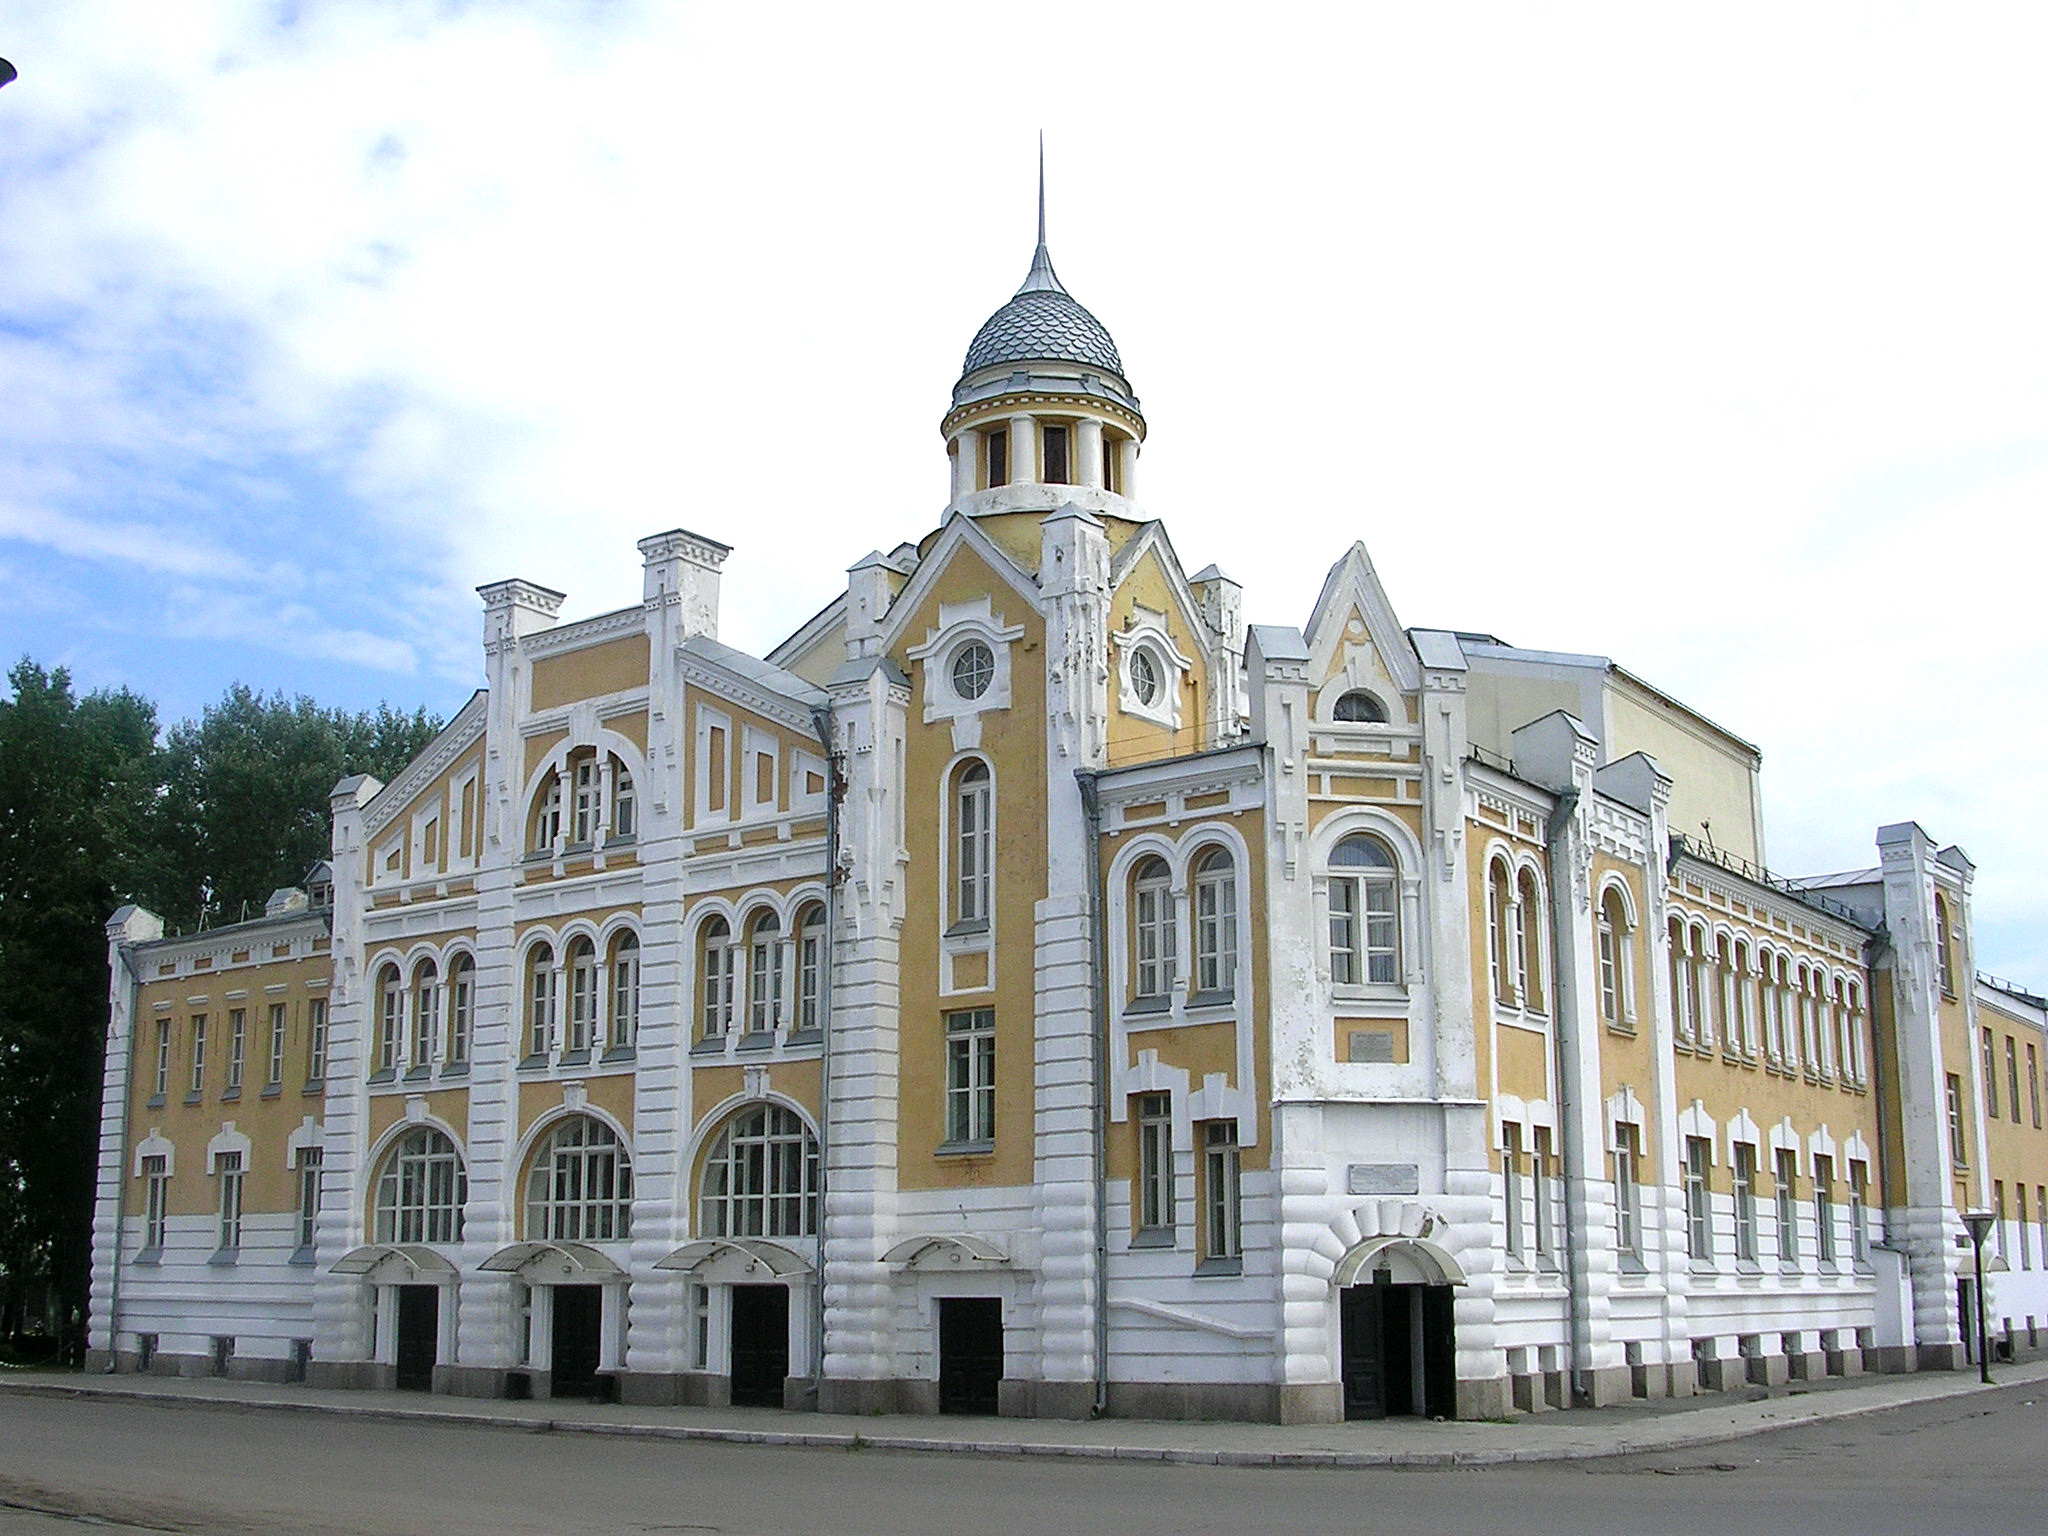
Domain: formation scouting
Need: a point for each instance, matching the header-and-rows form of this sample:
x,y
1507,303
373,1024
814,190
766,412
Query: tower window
x,y
1055,456
998,458
1112,465
1360,708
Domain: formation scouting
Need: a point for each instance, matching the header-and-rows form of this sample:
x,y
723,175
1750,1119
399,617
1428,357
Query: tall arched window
x,y
579,1187
761,1177
810,967
421,1191
715,968
426,1014
973,844
1215,921
1500,935
1944,946
547,816
390,1018
461,1007
1617,979
1682,1015
1529,938
1365,924
1152,929
582,996
1360,708
625,992
764,973
540,1000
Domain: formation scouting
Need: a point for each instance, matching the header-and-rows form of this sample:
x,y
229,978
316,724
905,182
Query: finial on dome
x,y
1041,278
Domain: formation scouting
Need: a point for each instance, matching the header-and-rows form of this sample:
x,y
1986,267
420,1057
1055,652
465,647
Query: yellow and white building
x,y
1030,988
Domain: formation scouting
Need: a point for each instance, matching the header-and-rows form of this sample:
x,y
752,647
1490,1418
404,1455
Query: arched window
x,y
1501,936
1215,922
579,1187
540,1000
625,992
1365,924
1360,708
1682,1000
973,844
810,967
1529,939
761,1177
1152,929
547,816
461,1007
1944,946
1721,985
1617,978
582,997
716,968
764,973
390,1018
421,1191
426,1014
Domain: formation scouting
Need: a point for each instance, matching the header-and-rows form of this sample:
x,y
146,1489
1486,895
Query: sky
x,y
1714,340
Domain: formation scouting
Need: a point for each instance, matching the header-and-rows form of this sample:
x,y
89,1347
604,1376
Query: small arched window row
x,y
1761,1004
421,1190
587,800
1516,942
1188,907
579,1184
1366,941
758,978
425,1016
580,997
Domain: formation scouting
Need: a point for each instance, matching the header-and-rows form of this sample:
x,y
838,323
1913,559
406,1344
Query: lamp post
x,y
1979,1223
7,72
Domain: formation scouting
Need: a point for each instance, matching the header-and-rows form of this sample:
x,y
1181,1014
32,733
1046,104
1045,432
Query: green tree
x,y
78,791
244,809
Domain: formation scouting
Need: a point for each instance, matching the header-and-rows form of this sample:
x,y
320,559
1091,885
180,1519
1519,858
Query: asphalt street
x,y
1965,1465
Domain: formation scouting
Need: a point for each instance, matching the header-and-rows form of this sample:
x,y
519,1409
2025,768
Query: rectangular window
x,y
1511,1187
971,1076
764,982
582,999
1222,1199
309,1193
316,1041
1610,976
426,1019
1055,456
230,1171
2012,1076
625,805
461,1004
1543,1195
390,1023
1156,958
1744,1190
1990,1055
1824,1211
1699,1215
198,1053
1628,1223
1344,932
156,1201
1215,925
999,457
1788,1207
2020,1227
1998,1210
1958,1151
584,826
1155,1162
540,1006
975,851
238,1044
163,1058
274,1072
625,1024
718,984
810,973
2034,1085
1859,1231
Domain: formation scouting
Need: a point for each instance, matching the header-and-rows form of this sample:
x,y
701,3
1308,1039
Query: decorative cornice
x,y
745,693
456,737
569,637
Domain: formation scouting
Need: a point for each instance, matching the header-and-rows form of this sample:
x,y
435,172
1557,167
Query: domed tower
x,y
1043,414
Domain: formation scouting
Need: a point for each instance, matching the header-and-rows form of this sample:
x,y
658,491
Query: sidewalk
x,y
1571,1435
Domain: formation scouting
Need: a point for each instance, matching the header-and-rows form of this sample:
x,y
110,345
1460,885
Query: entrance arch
x,y
1397,1331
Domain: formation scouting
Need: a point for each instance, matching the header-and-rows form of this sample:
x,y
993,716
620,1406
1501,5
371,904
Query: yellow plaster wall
x,y
1713,779
1133,739
612,666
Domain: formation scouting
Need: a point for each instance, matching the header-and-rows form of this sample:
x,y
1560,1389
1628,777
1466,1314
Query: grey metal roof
x,y
1042,323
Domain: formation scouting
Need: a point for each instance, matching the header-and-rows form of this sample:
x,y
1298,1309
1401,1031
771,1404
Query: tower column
x,y
1024,450
1088,461
1127,467
966,462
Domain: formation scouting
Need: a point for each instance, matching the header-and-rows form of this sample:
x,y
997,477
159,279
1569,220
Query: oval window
x,y
1144,676
974,668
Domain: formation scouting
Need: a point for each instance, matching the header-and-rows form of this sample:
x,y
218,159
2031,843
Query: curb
x,y
1680,1437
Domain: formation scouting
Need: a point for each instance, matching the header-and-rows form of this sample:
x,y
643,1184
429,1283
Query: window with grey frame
x,y
1215,922
971,1077
1365,924
1155,1164
1222,1193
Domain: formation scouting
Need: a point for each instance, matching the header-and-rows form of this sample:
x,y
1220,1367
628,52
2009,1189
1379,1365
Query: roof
x,y
1042,323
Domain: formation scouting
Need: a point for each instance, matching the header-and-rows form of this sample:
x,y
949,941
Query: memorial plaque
x,y
1384,1179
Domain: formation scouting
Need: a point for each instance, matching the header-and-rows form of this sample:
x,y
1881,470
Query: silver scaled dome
x,y
1043,323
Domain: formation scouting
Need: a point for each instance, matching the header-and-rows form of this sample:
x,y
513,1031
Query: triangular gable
x,y
1353,584
749,682
457,736
959,530
1153,537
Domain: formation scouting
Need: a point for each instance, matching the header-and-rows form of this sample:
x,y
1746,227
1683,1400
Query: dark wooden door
x,y
970,1353
1400,1327
760,1344
419,1336
579,1322
1361,1314
1439,1352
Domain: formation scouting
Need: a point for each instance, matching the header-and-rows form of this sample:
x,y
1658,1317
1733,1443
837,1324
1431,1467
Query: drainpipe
x,y
1564,984
121,1180
835,787
1091,809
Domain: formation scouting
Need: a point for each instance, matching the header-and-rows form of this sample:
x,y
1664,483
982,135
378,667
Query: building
x,y
1030,988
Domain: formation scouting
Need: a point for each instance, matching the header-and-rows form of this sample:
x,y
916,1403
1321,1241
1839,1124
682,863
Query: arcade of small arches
x,y
586,799
1763,1003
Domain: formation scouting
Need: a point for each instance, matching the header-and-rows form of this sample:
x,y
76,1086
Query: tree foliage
x,y
95,811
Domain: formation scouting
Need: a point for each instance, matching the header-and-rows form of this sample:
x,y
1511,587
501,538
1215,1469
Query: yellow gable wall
x,y
1133,739
632,725
1711,779
1013,740
1370,670
460,835
612,666
267,1120
736,774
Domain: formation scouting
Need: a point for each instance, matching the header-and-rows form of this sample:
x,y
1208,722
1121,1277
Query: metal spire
x,y
1041,278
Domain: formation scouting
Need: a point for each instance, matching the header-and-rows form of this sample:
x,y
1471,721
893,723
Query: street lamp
x,y
1979,1223
7,72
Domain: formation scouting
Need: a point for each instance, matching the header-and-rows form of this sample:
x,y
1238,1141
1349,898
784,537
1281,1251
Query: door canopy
x,y
543,1263
395,1264
735,1260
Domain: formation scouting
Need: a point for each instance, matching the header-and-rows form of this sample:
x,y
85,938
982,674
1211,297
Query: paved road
x,y
1961,1466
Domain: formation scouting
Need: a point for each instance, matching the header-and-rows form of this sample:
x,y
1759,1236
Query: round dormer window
x,y
974,668
1144,677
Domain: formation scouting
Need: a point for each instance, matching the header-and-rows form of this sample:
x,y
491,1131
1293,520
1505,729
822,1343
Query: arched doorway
x,y
1397,1329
